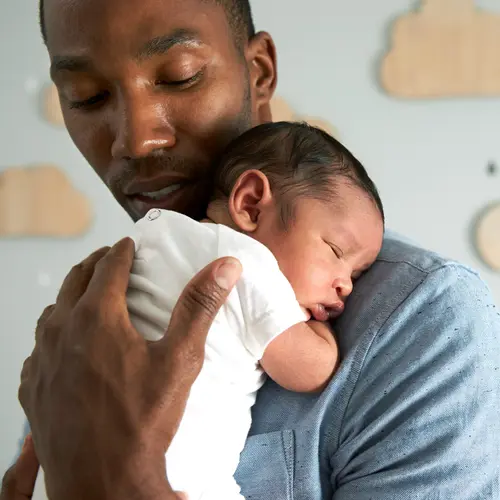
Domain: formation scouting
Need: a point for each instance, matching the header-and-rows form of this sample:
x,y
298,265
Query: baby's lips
x,y
336,310
319,313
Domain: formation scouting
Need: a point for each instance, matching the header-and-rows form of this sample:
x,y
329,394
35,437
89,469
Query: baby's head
x,y
301,193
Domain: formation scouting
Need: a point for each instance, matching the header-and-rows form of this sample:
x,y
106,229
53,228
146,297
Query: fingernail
x,y
228,273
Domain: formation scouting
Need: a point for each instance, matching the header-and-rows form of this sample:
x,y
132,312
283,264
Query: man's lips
x,y
167,191
160,194
175,197
154,185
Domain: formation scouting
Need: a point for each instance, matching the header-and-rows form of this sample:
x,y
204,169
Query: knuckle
x,y
91,315
111,259
22,395
203,298
84,310
48,310
94,257
101,263
100,251
26,367
77,268
45,315
104,265
49,328
86,313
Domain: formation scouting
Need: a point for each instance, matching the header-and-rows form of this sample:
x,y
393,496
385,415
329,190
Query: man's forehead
x,y
94,20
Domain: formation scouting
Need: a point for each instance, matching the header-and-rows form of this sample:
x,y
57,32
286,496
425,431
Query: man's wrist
x,y
145,480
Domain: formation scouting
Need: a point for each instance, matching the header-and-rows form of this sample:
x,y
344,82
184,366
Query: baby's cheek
x,y
320,277
310,282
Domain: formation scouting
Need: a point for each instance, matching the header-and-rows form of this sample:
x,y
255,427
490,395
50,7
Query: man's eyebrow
x,y
162,44
154,47
69,63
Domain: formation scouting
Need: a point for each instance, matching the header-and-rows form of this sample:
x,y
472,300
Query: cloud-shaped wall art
x,y
447,49
41,201
487,236
51,106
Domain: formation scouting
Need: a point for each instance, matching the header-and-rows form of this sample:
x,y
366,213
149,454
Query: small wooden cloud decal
x,y
40,201
282,111
51,106
447,49
487,236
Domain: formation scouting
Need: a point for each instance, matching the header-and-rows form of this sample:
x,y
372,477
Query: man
x,y
151,91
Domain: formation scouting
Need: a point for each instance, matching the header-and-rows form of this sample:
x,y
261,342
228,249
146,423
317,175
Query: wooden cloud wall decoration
x,y
487,236
51,106
449,48
41,201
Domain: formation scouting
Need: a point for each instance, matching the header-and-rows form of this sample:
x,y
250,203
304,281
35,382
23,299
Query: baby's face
x,y
326,247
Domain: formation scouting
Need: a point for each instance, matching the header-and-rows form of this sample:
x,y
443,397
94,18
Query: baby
x,y
305,220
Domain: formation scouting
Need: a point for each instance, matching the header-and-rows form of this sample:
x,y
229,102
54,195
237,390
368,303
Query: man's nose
x,y
142,126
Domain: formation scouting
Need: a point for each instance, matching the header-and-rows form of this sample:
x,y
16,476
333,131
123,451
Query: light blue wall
x,y
427,158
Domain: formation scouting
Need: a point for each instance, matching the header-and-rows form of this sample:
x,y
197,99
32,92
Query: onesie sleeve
x,y
267,299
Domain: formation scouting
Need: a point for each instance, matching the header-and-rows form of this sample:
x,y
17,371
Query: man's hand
x,y
104,404
19,481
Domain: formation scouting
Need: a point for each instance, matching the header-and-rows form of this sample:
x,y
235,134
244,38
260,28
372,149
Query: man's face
x,y
153,90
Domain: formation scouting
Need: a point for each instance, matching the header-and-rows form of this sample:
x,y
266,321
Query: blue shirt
x,y
413,412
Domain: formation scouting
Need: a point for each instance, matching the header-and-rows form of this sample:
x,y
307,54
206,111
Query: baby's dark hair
x,y
298,159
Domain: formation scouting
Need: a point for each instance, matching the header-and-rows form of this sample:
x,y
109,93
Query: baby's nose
x,y
343,288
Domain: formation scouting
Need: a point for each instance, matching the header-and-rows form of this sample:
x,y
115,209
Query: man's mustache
x,y
153,166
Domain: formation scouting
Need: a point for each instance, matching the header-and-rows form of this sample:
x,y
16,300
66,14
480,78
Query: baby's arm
x,y
303,358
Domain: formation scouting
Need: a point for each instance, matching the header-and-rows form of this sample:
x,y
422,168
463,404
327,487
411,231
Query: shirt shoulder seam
x,y
428,270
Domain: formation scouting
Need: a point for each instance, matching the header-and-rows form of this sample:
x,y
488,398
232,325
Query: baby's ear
x,y
250,198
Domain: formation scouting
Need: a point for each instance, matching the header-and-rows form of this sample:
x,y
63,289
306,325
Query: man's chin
x,y
181,201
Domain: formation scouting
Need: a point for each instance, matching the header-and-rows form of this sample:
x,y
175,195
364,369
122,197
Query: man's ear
x,y
262,68
250,198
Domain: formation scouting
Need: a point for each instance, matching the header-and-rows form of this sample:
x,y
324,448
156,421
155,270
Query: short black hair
x,y
240,19
298,159
238,13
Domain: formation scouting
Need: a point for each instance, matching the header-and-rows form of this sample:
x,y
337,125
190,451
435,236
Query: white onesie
x,y
170,249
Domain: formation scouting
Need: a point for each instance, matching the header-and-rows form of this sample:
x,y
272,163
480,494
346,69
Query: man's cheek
x,y
93,140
